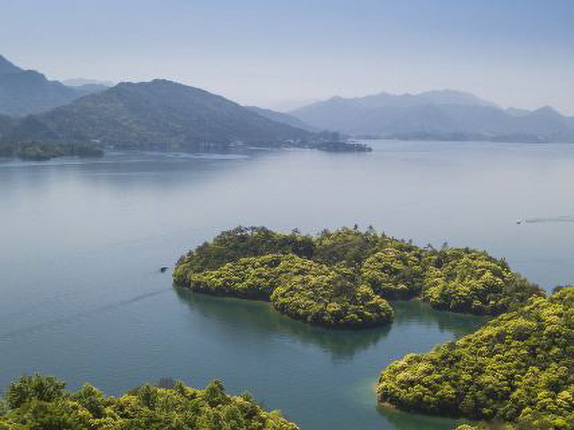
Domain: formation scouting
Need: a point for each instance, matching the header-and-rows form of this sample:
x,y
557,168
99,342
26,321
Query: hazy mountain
x,y
282,118
80,82
84,90
441,115
6,123
6,67
156,115
24,92
443,97
517,112
289,105
84,86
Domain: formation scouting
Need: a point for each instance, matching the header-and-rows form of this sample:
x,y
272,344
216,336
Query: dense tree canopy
x,y
42,403
395,273
300,288
454,279
470,281
519,368
241,242
331,297
535,422
350,246
253,277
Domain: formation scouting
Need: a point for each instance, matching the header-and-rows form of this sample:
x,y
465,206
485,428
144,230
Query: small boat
x,y
519,221
163,269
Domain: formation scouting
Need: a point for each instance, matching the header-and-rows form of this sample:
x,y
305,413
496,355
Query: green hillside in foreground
x,y
519,369
42,403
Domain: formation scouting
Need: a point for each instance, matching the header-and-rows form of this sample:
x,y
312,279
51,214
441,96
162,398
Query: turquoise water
x,y
82,242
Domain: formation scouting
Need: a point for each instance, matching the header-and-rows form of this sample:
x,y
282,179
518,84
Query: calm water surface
x,y
82,241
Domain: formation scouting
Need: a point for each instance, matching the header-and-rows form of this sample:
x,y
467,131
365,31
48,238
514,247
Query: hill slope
x,y
155,115
517,368
282,118
6,67
24,92
441,115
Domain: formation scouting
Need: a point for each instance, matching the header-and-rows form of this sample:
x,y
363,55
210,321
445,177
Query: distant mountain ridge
x,y
165,115
154,115
25,92
441,115
80,82
283,118
435,97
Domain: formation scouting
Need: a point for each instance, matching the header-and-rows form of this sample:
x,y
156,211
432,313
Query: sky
x,y
277,53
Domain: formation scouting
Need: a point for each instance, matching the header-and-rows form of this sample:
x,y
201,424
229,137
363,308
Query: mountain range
x,y
37,113
80,82
154,115
166,115
440,115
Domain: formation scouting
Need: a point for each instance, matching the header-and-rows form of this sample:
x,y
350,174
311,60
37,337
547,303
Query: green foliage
x,y
331,297
46,389
300,288
394,273
519,368
241,242
35,151
147,407
533,421
350,246
459,280
463,280
346,245
252,278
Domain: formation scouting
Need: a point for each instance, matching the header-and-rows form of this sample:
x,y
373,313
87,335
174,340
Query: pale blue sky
x,y
514,52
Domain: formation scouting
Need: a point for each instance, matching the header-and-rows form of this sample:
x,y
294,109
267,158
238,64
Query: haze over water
x,y
82,242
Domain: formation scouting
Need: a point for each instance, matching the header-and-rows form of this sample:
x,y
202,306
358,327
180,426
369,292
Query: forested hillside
x,y
519,368
42,403
24,92
155,115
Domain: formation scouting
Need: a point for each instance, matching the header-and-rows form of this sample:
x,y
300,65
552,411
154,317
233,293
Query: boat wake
x,y
565,218
74,318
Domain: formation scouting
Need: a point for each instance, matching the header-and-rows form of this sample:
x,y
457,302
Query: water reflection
x,y
420,313
258,317
406,421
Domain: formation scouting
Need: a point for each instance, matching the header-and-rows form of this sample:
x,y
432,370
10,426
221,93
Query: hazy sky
x,y
513,52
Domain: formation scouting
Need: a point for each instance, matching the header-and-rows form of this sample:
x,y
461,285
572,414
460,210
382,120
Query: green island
x,y
36,151
343,278
518,371
42,403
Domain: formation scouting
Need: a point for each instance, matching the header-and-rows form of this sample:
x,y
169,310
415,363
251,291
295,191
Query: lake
x,y
82,242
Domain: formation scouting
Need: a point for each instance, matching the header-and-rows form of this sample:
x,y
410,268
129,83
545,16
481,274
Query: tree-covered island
x,y
517,371
343,278
36,151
